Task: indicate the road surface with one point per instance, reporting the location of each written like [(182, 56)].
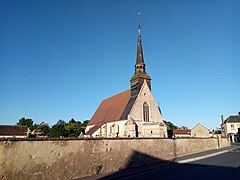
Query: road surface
[(225, 165)]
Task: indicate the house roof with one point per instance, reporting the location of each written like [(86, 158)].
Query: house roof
[(111, 109), (7, 130), (182, 131), (233, 119), (201, 126)]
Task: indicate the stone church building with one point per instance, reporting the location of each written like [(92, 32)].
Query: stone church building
[(131, 113)]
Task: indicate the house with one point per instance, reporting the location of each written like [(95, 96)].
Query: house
[(131, 113), (182, 133), (199, 131), (8, 131), (230, 127)]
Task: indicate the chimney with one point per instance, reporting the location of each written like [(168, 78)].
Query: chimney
[(222, 119), (238, 113)]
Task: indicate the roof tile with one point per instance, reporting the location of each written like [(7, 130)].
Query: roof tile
[(13, 130), (111, 109), (182, 131)]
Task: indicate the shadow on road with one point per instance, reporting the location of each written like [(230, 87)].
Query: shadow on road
[(235, 144), (162, 169)]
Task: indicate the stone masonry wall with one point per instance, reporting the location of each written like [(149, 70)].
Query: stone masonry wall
[(70, 159)]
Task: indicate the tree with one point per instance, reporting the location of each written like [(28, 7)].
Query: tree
[(170, 126), (45, 130), (73, 128), (58, 129), (72, 121), (26, 122), (84, 125), (217, 131)]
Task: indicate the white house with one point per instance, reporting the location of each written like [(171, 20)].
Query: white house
[(230, 127)]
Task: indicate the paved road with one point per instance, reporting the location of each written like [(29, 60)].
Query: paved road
[(222, 166)]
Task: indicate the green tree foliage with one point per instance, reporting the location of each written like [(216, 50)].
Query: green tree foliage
[(84, 124), (61, 129), (73, 128), (26, 122), (170, 126), (58, 129), (72, 121), (216, 131), (45, 130)]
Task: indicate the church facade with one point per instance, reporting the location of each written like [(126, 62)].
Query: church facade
[(131, 113)]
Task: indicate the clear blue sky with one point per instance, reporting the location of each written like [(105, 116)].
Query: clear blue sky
[(59, 59)]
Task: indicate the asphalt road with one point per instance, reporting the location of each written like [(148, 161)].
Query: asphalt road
[(222, 166)]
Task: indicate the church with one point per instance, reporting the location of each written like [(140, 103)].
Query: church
[(131, 113)]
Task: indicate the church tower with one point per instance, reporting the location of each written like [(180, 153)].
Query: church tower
[(140, 69), (131, 113)]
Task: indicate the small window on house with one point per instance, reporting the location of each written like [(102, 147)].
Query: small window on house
[(151, 132), (232, 127), (145, 112)]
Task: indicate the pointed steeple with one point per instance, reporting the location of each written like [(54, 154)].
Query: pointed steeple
[(140, 68), (139, 59)]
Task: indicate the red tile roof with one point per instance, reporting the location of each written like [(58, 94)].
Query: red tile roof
[(111, 109), (93, 129), (7, 130), (182, 131)]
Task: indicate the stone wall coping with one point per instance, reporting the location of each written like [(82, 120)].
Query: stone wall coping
[(99, 138)]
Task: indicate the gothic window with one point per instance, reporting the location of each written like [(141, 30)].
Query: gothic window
[(117, 133), (113, 128), (110, 129), (145, 112)]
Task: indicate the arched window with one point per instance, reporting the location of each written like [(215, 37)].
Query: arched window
[(110, 129), (145, 112)]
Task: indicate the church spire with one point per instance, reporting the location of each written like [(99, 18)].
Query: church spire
[(139, 59), (140, 68), (140, 65)]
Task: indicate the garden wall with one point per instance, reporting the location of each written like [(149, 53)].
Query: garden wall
[(70, 159)]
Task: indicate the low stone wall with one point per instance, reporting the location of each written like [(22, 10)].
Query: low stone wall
[(70, 159)]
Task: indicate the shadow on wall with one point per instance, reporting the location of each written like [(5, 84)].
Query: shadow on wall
[(139, 159), (162, 169)]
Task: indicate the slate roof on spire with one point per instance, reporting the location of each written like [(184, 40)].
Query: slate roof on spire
[(139, 59), (140, 71)]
